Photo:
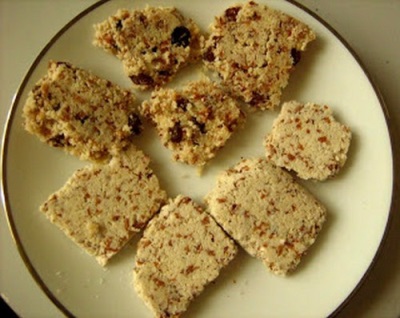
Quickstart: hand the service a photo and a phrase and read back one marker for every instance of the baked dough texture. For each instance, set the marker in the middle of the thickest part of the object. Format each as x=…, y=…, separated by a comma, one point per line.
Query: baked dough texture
x=266, y=212
x=195, y=121
x=153, y=43
x=253, y=49
x=87, y=116
x=308, y=140
x=181, y=251
x=101, y=207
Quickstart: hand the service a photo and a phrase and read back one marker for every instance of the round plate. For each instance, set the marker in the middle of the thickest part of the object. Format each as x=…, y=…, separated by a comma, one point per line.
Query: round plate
x=358, y=200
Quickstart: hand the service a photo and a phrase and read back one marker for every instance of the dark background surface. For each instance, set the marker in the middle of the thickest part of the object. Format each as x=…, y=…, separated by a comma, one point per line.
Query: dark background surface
x=5, y=310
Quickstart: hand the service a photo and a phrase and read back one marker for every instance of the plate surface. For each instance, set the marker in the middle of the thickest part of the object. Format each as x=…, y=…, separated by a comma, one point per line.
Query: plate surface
x=358, y=200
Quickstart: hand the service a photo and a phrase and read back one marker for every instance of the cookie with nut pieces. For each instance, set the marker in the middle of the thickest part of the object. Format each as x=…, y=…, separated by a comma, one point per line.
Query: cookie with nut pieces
x=267, y=212
x=101, y=207
x=307, y=139
x=182, y=250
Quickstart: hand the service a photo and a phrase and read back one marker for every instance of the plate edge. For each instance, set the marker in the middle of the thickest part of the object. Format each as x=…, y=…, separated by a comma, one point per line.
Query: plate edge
x=4, y=149
x=395, y=149
x=393, y=135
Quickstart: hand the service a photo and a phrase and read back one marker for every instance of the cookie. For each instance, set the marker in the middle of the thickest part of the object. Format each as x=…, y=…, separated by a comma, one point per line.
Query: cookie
x=181, y=251
x=153, y=43
x=253, y=49
x=101, y=207
x=265, y=211
x=87, y=116
x=194, y=122
x=307, y=139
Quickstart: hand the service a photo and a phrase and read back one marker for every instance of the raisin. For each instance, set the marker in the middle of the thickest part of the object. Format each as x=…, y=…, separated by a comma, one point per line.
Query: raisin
x=115, y=47
x=56, y=107
x=296, y=56
x=256, y=16
x=118, y=25
x=82, y=117
x=36, y=88
x=176, y=133
x=258, y=99
x=57, y=141
x=143, y=20
x=164, y=73
x=135, y=124
x=149, y=175
x=180, y=36
x=232, y=13
x=66, y=64
x=182, y=102
x=142, y=79
x=201, y=126
x=209, y=55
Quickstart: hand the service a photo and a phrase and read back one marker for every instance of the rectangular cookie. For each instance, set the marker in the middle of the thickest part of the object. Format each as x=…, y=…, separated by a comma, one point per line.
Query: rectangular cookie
x=266, y=212
x=75, y=110
x=101, y=207
x=181, y=251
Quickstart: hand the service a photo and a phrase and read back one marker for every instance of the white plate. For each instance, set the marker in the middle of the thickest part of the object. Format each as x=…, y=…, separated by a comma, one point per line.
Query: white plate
x=358, y=200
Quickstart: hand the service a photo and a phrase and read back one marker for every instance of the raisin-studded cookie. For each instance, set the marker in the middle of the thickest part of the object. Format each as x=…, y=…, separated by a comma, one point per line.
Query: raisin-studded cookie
x=254, y=48
x=182, y=250
x=102, y=206
x=87, y=116
x=270, y=215
x=153, y=43
x=307, y=139
x=193, y=122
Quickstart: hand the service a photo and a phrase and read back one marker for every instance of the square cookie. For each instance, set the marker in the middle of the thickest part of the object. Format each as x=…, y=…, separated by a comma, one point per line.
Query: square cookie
x=266, y=212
